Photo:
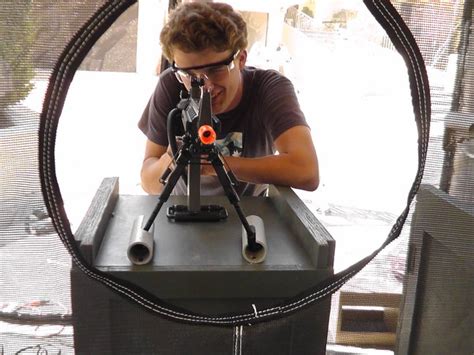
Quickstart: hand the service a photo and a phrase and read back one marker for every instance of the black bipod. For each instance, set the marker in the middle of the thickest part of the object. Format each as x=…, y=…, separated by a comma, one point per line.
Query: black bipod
x=198, y=123
x=190, y=155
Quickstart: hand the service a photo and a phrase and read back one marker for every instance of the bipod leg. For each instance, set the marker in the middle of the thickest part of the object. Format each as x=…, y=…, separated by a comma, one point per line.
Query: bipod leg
x=181, y=163
x=234, y=199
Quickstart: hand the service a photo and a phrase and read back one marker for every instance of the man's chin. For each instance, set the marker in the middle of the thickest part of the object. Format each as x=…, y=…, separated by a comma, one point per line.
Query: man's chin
x=217, y=108
x=217, y=104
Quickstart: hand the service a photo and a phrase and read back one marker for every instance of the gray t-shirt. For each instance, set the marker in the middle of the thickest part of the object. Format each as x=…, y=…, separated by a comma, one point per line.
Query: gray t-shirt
x=268, y=108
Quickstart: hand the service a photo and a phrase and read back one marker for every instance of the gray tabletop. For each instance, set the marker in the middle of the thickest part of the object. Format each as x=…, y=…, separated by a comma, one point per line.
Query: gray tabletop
x=201, y=245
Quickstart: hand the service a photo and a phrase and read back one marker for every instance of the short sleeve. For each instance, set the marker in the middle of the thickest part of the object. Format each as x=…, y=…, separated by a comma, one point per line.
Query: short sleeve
x=280, y=109
x=162, y=101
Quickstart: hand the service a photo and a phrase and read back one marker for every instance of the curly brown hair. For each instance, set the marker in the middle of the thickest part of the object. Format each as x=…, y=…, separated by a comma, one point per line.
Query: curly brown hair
x=196, y=26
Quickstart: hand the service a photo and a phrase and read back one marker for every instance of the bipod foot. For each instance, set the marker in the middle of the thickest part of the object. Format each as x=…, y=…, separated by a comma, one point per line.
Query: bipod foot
x=207, y=213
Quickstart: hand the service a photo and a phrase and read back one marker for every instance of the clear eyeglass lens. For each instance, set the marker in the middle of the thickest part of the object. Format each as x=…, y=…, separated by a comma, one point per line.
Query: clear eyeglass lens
x=183, y=77
x=218, y=74
x=214, y=74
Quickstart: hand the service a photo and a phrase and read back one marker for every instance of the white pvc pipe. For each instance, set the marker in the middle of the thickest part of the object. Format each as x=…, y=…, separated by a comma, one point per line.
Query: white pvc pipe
x=255, y=257
x=140, y=247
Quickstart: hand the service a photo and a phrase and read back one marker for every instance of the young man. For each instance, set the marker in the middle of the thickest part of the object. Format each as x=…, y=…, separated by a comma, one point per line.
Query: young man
x=258, y=109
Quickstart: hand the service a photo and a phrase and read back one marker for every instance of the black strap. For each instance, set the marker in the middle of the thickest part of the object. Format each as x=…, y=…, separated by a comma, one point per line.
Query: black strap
x=58, y=87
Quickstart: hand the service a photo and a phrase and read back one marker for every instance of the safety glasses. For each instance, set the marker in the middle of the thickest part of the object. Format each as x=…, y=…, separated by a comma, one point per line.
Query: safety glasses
x=214, y=72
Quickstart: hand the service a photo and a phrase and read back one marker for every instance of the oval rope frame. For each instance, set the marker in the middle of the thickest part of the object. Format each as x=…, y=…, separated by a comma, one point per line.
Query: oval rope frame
x=59, y=83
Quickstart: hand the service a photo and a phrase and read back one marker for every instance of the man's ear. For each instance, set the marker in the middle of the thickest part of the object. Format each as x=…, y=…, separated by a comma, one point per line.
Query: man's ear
x=242, y=58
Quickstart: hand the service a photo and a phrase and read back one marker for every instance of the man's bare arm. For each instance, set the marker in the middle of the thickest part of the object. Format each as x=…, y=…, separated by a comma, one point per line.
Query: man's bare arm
x=296, y=165
x=155, y=162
